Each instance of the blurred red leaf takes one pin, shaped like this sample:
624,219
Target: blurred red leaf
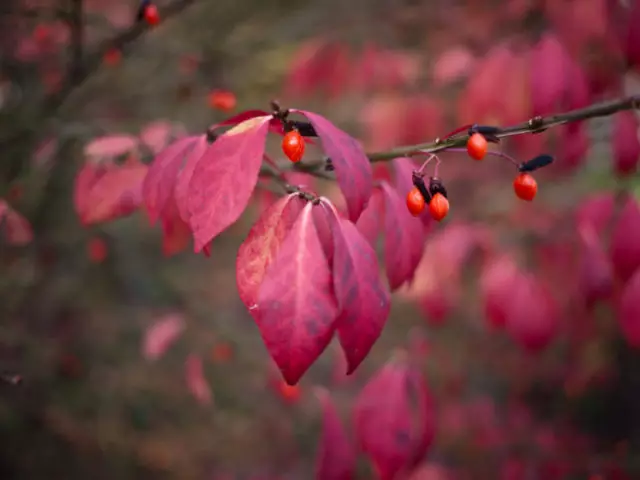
382,119
181,189
110,146
625,248
404,239
631,38
352,167
394,419
196,381
158,186
573,146
103,195
97,250
531,315
176,233
626,145
596,211
156,135
224,179
495,285
336,457
596,272
297,309
369,222
452,65
159,337
261,247
422,119
548,83
363,300
629,310
17,229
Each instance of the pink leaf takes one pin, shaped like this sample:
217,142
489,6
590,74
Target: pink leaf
196,382
163,172
224,179
17,229
385,419
155,135
111,146
117,193
181,190
629,311
548,84
596,271
159,337
352,167
369,222
240,118
297,308
363,300
261,247
596,211
496,281
176,233
626,146
625,248
404,239
336,458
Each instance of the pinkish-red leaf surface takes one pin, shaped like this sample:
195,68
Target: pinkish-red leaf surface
298,311
110,146
595,280
159,337
629,311
196,381
404,239
548,83
625,248
352,167
181,190
370,222
336,457
626,145
385,420
363,299
224,179
261,247
161,178
156,135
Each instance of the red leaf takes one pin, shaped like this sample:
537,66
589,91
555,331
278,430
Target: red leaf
336,457
196,382
110,146
363,300
385,419
297,307
629,311
495,284
176,233
625,248
159,337
240,118
181,190
86,178
17,229
224,179
596,271
626,146
596,211
352,167
548,85
117,193
404,239
369,222
261,247
159,183
156,135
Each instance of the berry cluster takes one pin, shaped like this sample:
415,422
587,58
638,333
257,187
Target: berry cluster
524,185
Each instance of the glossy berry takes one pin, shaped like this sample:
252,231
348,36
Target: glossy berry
525,187
222,100
477,146
438,207
151,15
415,202
293,146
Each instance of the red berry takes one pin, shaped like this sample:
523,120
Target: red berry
151,14
293,146
477,146
112,57
525,187
438,207
223,100
415,202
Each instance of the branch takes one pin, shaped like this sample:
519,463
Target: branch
76,47
534,126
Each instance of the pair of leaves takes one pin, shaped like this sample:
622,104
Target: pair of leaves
304,273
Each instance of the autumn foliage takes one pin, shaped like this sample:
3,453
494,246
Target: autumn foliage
325,261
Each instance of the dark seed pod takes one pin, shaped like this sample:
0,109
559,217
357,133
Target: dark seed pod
328,165
487,131
535,163
140,13
211,136
418,182
306,129
436,186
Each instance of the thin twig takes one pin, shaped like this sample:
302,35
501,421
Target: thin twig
76,46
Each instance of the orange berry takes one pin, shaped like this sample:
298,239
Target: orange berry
438,207
525,187
151,15
97,250
289,393
477,146
415,202
293,146
223,100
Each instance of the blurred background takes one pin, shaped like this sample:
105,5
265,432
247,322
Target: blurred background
135,356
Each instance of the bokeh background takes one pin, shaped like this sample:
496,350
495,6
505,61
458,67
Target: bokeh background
87,312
